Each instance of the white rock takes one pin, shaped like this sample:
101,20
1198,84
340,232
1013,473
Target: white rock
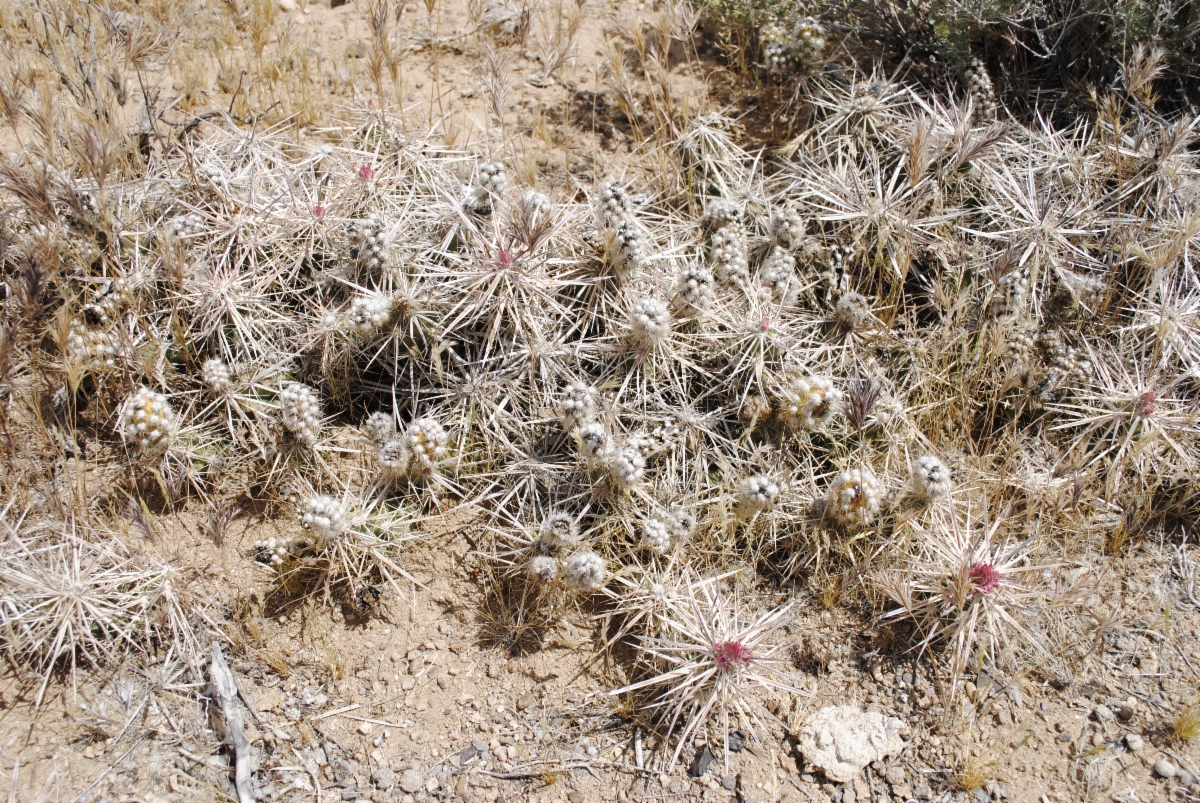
286,5
412,782
1164,769
841,740
1134,741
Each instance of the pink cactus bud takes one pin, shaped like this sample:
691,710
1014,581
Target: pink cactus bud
731,654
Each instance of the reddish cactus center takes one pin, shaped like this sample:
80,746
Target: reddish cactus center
318,211
366,173
1146,402
506,259
765,324
731,654
985,576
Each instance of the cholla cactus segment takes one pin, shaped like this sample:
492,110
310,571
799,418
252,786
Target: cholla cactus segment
325,516
694,287
92,347
271,552
727,246
301,411
722,214
681,524
585,571
147,423
852,312
787,229
380,428
756,494
625,252
490,182
185,226
1012,294
367,314
613,206
395,459
853,499
1068,364
789,46
777,277
627,466
649,322
930,477
217,377
542,567
426,439
979,87
593,440
368,243
809,402
578,405
656,536
660,534
559,531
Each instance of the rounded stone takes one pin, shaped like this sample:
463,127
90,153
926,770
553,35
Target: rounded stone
1164,768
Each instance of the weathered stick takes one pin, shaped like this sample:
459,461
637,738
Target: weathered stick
227,692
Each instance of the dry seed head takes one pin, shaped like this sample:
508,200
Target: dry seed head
787,229
694,287
217,377
585,571
559,531
649,322
852,312
930,477
301,411
368,314
148,423
380,427
756,494
627,466
542,567
368,243
853,498
427,441
325,516
578,405
809,402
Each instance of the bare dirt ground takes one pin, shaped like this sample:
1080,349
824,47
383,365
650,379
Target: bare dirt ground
428,696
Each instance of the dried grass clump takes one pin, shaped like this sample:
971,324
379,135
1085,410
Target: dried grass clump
68,602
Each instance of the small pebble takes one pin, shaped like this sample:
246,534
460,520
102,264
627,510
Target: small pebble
1185,778
1103,713
729,782
1134,741
1164,768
